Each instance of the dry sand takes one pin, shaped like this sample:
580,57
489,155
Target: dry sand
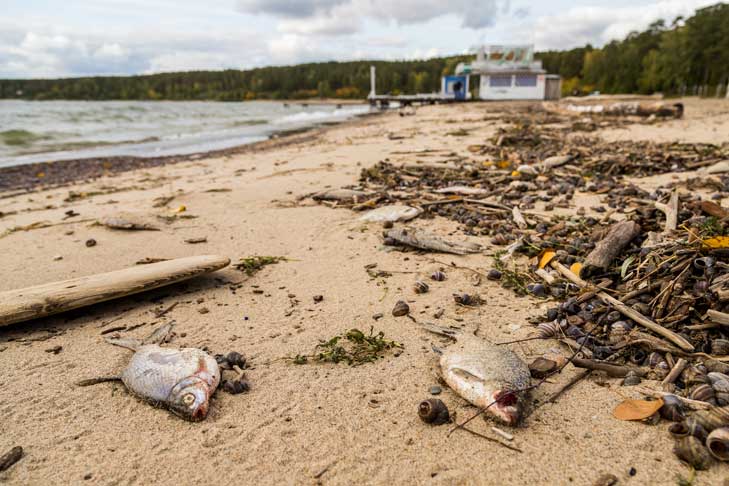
305,424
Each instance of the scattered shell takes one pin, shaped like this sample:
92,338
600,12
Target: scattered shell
420,287
712,418
235,387
672,408
720,346
433,411
688,427
467,299
435,390
693,375
631,379
391,213
537,290
438,276
401,309
654,358
318,298
690,449
494,274
718,443
541,367
90,242
703,393
10,457
548,330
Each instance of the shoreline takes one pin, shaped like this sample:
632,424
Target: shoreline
58,173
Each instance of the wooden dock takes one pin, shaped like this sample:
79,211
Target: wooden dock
383,101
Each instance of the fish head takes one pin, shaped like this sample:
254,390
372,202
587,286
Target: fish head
190,399
507,405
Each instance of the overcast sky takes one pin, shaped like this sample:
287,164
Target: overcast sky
59,38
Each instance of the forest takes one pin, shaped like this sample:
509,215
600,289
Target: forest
685,56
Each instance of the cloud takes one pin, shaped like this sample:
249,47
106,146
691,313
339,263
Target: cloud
340,17
578,26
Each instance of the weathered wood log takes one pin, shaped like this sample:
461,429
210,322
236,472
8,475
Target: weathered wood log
52,298
607,249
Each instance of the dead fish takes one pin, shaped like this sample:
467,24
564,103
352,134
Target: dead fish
391,213
488,376
463,191
428,241
182,380
342,195
129,223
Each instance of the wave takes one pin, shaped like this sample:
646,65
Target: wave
315,116
21,138
249,123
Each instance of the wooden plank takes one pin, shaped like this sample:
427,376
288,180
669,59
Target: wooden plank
52,298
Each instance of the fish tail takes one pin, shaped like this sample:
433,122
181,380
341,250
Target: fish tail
160,334
442,331
129,343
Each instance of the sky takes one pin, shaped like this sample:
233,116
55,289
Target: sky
63,38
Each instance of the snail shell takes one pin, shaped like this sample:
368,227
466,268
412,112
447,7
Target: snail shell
672,409
654,358
631,379
691,450
719,382
720,346
703,393
420,287
401,309
712,418
466,299
438,276
548,330
693,375
688,427
718,443
433,411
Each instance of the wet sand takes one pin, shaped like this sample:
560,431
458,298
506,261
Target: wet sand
300,424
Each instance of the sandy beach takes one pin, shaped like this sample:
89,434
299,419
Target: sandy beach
299,424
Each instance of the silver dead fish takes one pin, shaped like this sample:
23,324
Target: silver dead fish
486,375
182,380
428,241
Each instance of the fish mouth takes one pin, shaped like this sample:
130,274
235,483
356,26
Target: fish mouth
199,414
507,407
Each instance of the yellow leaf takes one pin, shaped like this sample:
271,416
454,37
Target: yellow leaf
546,257
504,164
515,173
576,268
40,175
637,409
717,242
181,209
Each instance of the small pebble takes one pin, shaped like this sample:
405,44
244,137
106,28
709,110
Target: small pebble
387,224
318,298
435,390
55,349
378,316
90,242
494,274
57,258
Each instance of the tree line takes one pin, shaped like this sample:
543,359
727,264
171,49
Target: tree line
687,56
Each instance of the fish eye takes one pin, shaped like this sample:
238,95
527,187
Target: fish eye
188,399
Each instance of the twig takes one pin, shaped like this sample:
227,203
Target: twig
611,369
671,212
164,312
442,201
502,433
627,311
576,379
675,371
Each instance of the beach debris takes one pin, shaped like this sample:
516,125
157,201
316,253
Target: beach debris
490,377
435,390
52,298
619,108
90,242
463,191
468,300
606,479
433,411
438,276
182,380
637,409
149,260
692,451
318,298
10,457
195,241
391,214
251,265
423,240
55,349
717,168
608,248
420,287
401,309
127,222
57,258
352,347
342,195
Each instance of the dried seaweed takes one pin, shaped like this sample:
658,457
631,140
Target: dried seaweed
251,265
353,347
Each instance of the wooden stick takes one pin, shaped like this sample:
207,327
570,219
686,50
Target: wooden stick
675,371
576,379
611,369
671,212
518,218
617,238
627,311
718,317
52,298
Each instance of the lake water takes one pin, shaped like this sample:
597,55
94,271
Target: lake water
41,131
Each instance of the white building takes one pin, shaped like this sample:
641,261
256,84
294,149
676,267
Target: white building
511,73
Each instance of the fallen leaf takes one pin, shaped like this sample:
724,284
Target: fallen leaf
181,209
576,268
637,409
546,257
717,242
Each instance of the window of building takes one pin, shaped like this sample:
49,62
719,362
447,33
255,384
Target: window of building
500,81
526,80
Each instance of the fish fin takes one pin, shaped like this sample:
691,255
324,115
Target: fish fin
442,331
96,381
160,334
129,343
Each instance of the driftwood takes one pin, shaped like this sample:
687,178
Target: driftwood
671,212
717,317
423,240
627,311
52,298
675,372
611,369
607,249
